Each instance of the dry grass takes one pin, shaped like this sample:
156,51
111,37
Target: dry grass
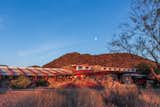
54,98
90,83
122,95
82,95
150,97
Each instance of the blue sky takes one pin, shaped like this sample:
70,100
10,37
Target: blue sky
34,32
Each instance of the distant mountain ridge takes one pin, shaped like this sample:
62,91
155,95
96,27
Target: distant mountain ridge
111,60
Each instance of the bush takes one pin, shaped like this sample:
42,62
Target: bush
122,95
57,98
143,68
157,71
119,95
42,82
20,83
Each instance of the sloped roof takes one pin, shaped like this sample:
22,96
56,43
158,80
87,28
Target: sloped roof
31,71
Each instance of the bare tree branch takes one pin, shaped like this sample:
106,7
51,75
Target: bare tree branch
142,36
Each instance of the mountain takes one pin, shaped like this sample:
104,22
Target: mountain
111,60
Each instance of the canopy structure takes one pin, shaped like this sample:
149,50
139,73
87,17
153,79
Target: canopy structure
31,71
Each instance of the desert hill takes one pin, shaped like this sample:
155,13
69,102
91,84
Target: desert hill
112,60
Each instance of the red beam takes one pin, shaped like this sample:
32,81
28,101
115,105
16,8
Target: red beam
46,74
22,71
50,72
11,71
32,71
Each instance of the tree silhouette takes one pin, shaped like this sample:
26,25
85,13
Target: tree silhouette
141,35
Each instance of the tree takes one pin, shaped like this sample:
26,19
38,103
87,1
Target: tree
141,35
42,82
157,71
143,68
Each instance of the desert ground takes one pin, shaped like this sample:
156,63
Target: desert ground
86,93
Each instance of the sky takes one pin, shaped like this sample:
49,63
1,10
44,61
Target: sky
35,32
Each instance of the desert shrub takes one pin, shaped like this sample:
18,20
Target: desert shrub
89,98
143,68
119,95
108,81
150,98
122,95
20,83
59,98
87,83
127,100
42,82
157,71
156,84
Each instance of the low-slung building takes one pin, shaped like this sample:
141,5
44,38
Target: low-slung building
51,72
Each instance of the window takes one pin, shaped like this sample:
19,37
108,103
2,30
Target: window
80,67
87,67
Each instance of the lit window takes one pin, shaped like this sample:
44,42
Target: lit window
80,67
87,67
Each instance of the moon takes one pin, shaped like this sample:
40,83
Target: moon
95,38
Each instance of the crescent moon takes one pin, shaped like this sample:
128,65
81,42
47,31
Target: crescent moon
95,38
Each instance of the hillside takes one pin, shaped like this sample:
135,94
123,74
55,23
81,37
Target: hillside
112,60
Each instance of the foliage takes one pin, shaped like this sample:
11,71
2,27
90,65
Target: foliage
143,68
42,82
20,83
120,95
157,71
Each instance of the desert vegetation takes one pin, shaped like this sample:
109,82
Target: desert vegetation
20,82
75,91
83,93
